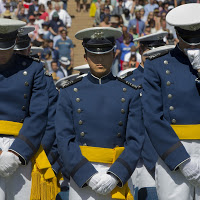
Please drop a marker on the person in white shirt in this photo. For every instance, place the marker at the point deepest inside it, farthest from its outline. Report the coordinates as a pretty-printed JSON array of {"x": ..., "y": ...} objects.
[{"x": 63, "y": 15}]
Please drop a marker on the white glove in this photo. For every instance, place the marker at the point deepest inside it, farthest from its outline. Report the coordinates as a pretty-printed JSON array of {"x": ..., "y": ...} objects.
[
  {"x": 92, "y": 182},
  {"x": 9, "y": 162},
  {"x": 191, "y": 170},
  {"x": 107, "y": 183},
  {"x": 194, "y": 57}
]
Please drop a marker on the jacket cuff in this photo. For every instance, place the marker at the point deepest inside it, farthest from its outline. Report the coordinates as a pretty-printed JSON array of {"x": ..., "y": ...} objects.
[
  {"x": 121, "y": 170},
  {"x": 175, "y": 157},
  {"x": 83, "y": 172}
]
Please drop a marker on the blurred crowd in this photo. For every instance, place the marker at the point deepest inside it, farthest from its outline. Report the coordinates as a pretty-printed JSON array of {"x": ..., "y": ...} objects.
[{"x": 135, "y": 18}]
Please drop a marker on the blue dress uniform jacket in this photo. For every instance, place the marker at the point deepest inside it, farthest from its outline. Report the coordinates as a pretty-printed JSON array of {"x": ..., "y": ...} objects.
[
  {"x": 100, "y": 113},
  {"x": 24, "y": 99},
  {"x": 50, "y": 134},
  {"x": 149, "y": 154},
  {"x": 170, "y": 96}
]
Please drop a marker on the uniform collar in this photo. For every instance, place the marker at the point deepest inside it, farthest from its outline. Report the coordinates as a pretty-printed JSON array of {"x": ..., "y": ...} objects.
[
  {"x": 140, "y": 68},
  {"x": 180, "y": 55},
  {"x": 101, "y": 80}
]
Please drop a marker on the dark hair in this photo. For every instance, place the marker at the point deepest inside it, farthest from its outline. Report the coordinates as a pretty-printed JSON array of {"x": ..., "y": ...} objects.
[
  {"x": 48, "y": 3},
  {"x": 63, "y": 31},
  {"x": 53, "y": 61},
  {"x": 50, "y": 41}
]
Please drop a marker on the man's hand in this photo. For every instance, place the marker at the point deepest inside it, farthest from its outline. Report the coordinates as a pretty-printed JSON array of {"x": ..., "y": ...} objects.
[
  {"x": 191, "y": 170},
  {"x": 9, "y": 162},
  {"x": 107, "y": 183},
  {"x": 92, "y": 182}
]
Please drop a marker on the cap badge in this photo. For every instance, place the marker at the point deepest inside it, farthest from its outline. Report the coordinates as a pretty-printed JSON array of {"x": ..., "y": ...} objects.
[
  {"x": 4, "y": 29},
  {"x": 97, "y": 35}
]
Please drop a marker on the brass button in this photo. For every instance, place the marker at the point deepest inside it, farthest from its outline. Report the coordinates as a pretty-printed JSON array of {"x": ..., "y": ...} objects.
[
  {"x": 171, "y": 108},
  {"x": 75, "y": 90},
  {"x": 22, "y": 120},
  {"x": 169, "y": 96},
  {"x": 165, "y": 62},
  {"x": 84, "y": 144},
  {"x": 118, "y": 134},
  {"x": 79, "y": 110},
  {"x": 77, "y": 99},
  {"x": 168, "y": 83},
  {"x": 167, "y": 71},
  {"x": 26, "y": 83},
  {"x": 122, "y": 111},
  {"x": 124, "y": 89},
  {"x": 25, "y": 73},
  {"x": 80, "y": 122},
  {"x": 120, "y": 123},
  {"x": 25, "y": 96},
  {"x": 23, "y": 108},
  {"x": 82, "y": 134},
  {"x": 133, "y": 79},
  {"x": 173, "y": 121},
  {"x": 123, "y": 100}
]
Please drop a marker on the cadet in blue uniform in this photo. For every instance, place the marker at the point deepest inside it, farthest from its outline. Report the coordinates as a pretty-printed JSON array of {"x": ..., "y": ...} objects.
[
  {"x": 23, "y": 114},
  {"x": 99, "y": 124},
  {"x": 171, "y": 108},
  {"x": 144, "y": 183},
  {"x": 23, "y": 47}
]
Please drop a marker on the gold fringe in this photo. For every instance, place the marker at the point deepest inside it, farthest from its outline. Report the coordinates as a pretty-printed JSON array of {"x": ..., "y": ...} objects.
[
  {"x": 43, "y": 186},
  {"x": 48, "y": 191},
  {"x": 35, "y": 188}
]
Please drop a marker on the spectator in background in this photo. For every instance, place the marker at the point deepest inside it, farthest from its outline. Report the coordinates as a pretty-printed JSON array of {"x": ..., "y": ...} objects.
[
  {"x": 43, "y": 14},
  {"x": 165, "y": 8},
  {"x": 2, "y": 8},
  {"x": 108, "y": 4},
  {"x": 147, "y": 31},
  {"x": 118, "y": 10},
  {"x": 21, "y": 14},
  {"x": 63, "y": 15},
  {"x": 56, "y": 73},
  {"x": 65, "y": 66},
  {"x": 150, "y": 7},
  {"x": 152, "y": 25},
  {"x": 99, "y": 13},
  {"x": 54, "y": 52},
  {"x": 125, "y": 47},
  {"x": 115, "y": 23},
  {"x": 149, "y": 17},
  {"x": 47, "y": 34},
  {"x": 49, "y": 7},
  {"x": 133, "y": 63},
  {"x": 7, "y": 15},
  {"x": 54, "y": 2},
  {"x": 55, "y": 23},
  {"x": 105, "y": 22},
  {"x": 125, "y": 33},
  {"x": 33, "y": 35},
  {"x": 65, "y": 46},
  {"x": 142, "y": 13},
  {"x": 38, "y": 21},
  {"x": 106, "y": 13},
  {"x": 126, "y": 16},
  {"x": 140, "y": 25},
  {"x": 33, "y": 9},
  {"x": 58, "y": 36},
  {"x": 38, "y": 42},
  {"x": 27, "y": 4},
  {"x": 44, "y": 2}
]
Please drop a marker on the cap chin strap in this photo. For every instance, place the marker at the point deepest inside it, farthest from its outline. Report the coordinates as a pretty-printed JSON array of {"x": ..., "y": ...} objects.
[
  {"x": 20, "y": 49},
  {"x": 99, "y": 53},
  {"x": 4, "y": 49}
]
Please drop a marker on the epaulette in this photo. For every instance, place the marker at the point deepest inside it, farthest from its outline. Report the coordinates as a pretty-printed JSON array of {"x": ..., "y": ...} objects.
[
  {"x": 29, "y": 57},
  {"x": 68, "y": 83},
  {"x": 126, "y": 75},
  {"x": 47, "y": 74},
  {"x": 157, "y": 55},
  {"x": 35, "y": 59},
  {"x": 136, "y": 87}
]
